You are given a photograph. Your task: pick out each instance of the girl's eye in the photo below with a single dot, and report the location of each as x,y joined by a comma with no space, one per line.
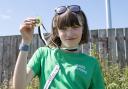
64,28
75,26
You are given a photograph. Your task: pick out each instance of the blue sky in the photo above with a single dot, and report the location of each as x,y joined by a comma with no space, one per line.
13,12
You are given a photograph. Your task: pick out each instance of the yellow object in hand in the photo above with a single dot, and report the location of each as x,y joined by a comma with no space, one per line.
38,21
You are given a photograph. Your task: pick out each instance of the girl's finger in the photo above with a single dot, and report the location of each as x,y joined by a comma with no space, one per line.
30,22
33,20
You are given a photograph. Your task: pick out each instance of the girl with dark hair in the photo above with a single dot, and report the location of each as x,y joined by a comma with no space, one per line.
60,64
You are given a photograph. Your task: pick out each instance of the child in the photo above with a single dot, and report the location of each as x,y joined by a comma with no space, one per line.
60,64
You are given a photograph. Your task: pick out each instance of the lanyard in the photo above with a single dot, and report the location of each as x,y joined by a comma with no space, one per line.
41,30
51,77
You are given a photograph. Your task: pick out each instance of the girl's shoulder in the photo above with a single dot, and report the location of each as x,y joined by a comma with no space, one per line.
45,49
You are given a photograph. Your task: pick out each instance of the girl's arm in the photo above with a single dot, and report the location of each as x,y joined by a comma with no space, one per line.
22,76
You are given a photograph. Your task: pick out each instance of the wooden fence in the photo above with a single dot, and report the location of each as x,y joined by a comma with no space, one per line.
111,45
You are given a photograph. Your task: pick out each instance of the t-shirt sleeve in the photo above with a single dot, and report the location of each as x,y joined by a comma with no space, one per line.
98,79
35,62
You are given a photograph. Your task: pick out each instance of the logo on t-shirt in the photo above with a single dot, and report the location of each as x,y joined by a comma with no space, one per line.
81,68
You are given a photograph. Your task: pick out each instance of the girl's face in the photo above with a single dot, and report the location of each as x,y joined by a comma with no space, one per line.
70,36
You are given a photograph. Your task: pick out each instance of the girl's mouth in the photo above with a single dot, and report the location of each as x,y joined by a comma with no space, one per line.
70,38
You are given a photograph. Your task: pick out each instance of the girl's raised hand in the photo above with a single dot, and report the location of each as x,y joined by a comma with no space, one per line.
27,29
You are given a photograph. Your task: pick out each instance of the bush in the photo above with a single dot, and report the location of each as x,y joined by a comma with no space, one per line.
34,84
115,77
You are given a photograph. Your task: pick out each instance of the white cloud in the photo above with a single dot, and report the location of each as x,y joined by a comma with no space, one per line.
5,16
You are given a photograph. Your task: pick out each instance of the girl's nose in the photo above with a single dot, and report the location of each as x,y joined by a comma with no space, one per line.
70,32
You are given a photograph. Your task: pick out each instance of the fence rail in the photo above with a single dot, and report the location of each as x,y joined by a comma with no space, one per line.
111,45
